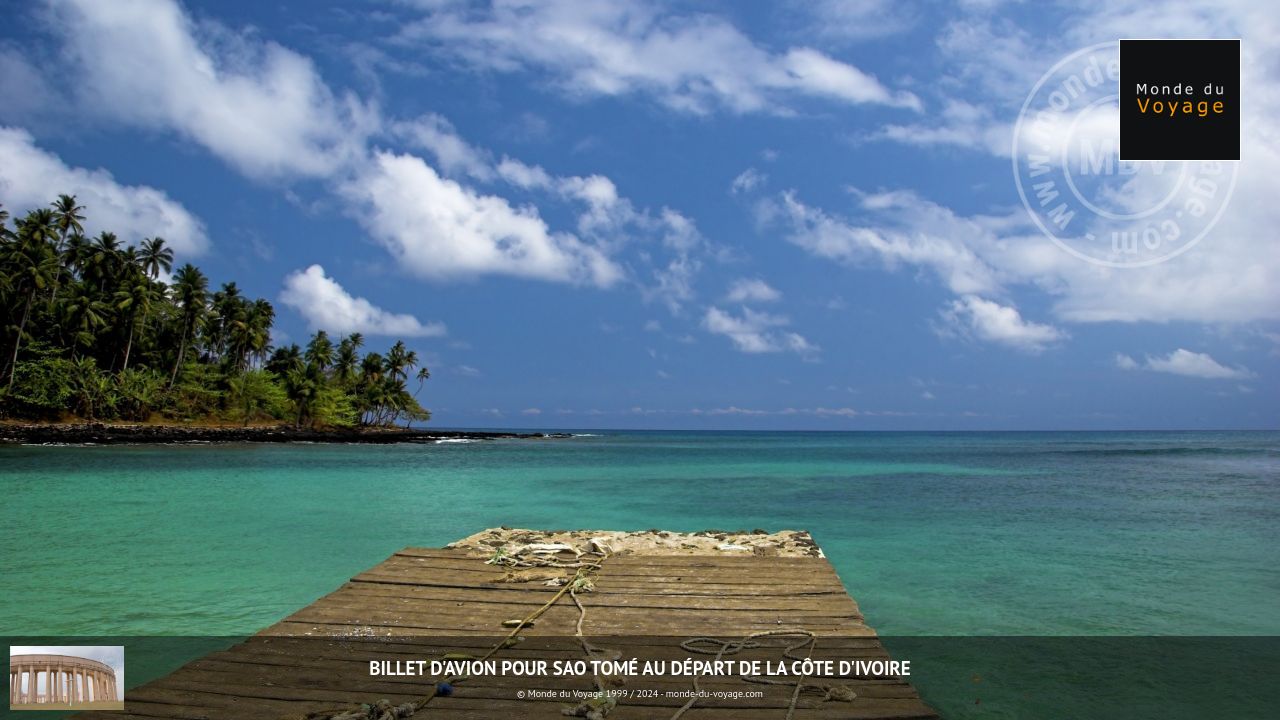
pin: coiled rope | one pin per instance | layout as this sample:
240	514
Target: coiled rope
720	648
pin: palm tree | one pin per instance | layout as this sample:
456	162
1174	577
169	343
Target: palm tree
132	300
104	258
67	217
84	314
191	290
320	351
77	254
31	267
423	375
285	360
154	257
228	305
400	360
258	330
301	386
346	360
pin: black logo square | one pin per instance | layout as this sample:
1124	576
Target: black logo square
1179	99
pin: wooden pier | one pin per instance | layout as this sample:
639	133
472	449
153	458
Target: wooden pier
433	603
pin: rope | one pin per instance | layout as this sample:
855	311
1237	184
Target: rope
732	647
581	582
600	706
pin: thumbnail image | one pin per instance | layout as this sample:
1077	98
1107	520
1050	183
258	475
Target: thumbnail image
56	677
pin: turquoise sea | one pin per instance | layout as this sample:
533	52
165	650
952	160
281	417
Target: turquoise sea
1129	534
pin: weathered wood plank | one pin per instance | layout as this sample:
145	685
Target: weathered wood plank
423	602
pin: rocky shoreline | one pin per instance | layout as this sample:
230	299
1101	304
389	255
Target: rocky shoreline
115	434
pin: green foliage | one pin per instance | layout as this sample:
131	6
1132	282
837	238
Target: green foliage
86	327
41	387
93	391
198	392
138	393
333	408
256	395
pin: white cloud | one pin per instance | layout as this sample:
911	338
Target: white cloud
692	63
731	410
796	343
747	180
993	63
959	123
1187	363
611	222
987	320
257	105
27	95
845	412
454	155
326	305
531	411
812	72
755	332
439	228
1226	278
925	236
853	20
31	177
266	110
751	290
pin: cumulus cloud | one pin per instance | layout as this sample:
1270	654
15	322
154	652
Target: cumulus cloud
439	228
988	320
1226	278
266	111
31	177
1125	362
454	156
259	106
756	332
747	180
327	306
751	290
1186	363
909	232
606	223
692	63
612	222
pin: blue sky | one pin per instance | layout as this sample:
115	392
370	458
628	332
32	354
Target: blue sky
688	215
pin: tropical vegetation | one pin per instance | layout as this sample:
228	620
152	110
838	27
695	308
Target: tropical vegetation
97	329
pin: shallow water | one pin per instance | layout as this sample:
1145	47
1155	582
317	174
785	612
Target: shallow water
1002	534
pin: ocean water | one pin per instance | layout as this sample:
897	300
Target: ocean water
934	534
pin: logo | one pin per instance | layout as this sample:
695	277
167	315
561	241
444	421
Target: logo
1101	209
1180	99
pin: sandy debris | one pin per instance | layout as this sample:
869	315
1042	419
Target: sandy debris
785	543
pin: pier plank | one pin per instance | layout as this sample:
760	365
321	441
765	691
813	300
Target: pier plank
421	603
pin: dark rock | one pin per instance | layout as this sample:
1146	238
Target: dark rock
101	434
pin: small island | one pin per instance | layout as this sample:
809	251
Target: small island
102	344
